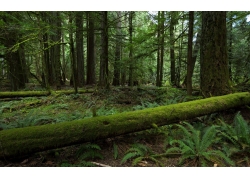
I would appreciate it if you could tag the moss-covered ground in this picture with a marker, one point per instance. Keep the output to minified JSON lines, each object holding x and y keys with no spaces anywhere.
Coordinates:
{"x":35,"y":111}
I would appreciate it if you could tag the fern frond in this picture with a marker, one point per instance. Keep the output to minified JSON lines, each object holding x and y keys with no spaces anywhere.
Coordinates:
{"x":91,"y":155}
{"x":129,"y":156}
{"x":89,"y":151}
{"x":185,"y":131}
{"x":92,"y":146}
{"x":155,"y":160}
{"x":137,"y":160}
{"x":218,"y":157}
{"x":208,"y":138}
{"x":173,"y":150}
{"x":242,"y":128}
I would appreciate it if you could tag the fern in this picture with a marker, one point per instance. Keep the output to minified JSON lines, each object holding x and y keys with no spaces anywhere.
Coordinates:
{"x":238,"y":135}
{"x":128,"y":156}
{"x":89,"y":151}
{"x":242,"y":129}
{"x":195,"y":147}
{"x":139,"y":152}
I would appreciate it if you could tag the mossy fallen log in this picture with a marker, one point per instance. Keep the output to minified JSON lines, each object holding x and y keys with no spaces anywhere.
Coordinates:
{"x":13,"y":94}
{"x":23,"y":141}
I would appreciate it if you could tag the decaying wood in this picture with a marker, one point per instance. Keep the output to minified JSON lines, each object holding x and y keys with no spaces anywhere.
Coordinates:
{"x":23,"y":141}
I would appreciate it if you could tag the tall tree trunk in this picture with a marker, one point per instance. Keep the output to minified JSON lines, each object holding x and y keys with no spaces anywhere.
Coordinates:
{"x":117,"y":64}
{"x":214,"y":63}
{"x":172,"y":54}
{"x":179,"y":61}
{"x":46,"y":76}
{"x":194,"y":57}
{"x":160,"y":52}
{"x":158,"y":83}
{"x":15,"y":57}
{"x":190,"y":50}
{"x":91,"y":78}
{"x":64,"y":64}
{"x":72,"y":52}
{"x":55,"y":56}
{"x":131,"y":60}
{"x":79,"y":49}
{"x":230,"y":46}
{"x":162,"y":46}
{"x":103,"y":81}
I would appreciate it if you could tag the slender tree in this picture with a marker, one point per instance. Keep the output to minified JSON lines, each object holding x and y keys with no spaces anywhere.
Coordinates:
{"x":55,"y":37}
{"x":117,"y":64}
{"x":72,"y":52}
{"x":79,"y":49}
{"x":91,"y":77}
{"x":172,"y":43}
{"x":230,"y":45}
{"x":214,"y":63}
{"x":160,"y":51}
{"x":190,"y":50}
{"x":131,"y":60}
{"x":103,"y":81}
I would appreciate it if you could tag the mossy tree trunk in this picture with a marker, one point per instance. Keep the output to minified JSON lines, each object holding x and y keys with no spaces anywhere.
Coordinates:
{"x":23,"y":141}
{"x":214,"y":63}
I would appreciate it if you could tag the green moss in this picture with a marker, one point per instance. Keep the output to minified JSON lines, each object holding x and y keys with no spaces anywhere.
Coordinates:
{"x":37,"y":138}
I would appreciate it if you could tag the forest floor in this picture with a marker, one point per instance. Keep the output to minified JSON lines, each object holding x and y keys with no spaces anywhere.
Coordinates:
{"x":29,"y":111}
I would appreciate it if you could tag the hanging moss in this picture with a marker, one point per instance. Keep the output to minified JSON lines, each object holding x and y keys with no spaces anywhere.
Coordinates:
{"x":21,"y":141}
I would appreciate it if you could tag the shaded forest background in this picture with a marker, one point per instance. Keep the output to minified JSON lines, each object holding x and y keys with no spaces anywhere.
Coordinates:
{"x":54,"y":49}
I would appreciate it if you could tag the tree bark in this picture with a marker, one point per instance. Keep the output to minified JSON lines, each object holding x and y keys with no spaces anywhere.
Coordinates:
{"x":23,"y":141}
{"x":79,"y":49}
{"x":103,"y":78}
{"x":131,"y":61}
{"x":91,"y":79}
{"x":117,"y":63}
{"x":194,"y":54}
{"x":72,"y":53}
{"x":214,"y":62}
{"x":172,"y":54}
{"x":190,"y":50}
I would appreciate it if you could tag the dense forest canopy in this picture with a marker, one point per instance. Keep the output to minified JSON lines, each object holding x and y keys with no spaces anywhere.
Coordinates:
{"x":131,"y":48}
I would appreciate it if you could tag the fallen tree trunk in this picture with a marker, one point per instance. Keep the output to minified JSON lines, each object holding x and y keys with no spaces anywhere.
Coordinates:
{"x":39,"y":93}
{"x":22,"y":141}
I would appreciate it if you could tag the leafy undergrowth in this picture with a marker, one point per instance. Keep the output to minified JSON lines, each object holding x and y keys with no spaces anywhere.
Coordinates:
{"x":173,"y":145}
